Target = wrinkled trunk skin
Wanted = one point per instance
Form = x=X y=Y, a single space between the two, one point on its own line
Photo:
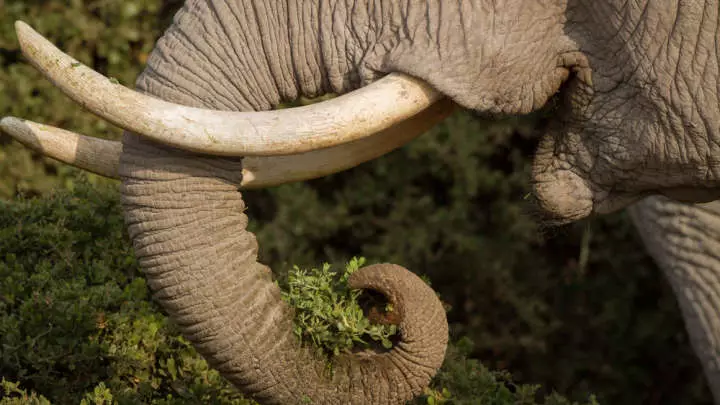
x=188 y=228
x=684 y=240
x=186 y=217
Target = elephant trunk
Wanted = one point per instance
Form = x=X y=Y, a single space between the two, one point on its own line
x=185 y=217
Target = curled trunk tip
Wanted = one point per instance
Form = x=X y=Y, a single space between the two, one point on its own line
x=416 y=305
x=422 y=321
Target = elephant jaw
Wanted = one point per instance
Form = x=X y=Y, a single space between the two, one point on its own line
x=590 y=164
x=572 y=180
x=563 y=190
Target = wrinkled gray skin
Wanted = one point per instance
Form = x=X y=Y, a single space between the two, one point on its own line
x=684 y=239
x=639 y=116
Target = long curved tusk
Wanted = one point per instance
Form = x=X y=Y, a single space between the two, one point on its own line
x=102 y=156
x=347 y=118
x=96 y=155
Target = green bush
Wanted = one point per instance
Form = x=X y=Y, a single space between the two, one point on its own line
x=75 y=312
x=465 y=381
x=14 y=395
x=328 y=314
x=77 y=322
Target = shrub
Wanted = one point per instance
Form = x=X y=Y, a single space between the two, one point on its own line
x=77 y=323
x=465 y=381
x=328 y=314
x=75 y=312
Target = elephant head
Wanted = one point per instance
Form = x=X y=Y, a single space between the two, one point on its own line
x=638 y=113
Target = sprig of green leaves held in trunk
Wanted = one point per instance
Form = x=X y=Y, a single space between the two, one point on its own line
x=329 y=315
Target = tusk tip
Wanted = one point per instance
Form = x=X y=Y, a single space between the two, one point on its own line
x=16 y=128
x=7 y=122
x=21 y=27
x=25 y=34
x=10 y=122
x=19 y=130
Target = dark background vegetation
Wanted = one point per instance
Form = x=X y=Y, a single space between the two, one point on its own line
x=579 y=309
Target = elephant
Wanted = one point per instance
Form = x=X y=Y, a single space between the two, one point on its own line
x=637 y=121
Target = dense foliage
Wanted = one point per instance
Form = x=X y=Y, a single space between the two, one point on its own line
x=77 y=322
x=578 y=309
x=329 y=314
x=75 y=313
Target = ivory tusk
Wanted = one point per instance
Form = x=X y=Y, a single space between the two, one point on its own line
x=261 y=172
x=96 y=155
x=344 y=119
x=102 y=156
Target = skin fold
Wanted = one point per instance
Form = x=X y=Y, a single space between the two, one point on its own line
x=637 y=115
